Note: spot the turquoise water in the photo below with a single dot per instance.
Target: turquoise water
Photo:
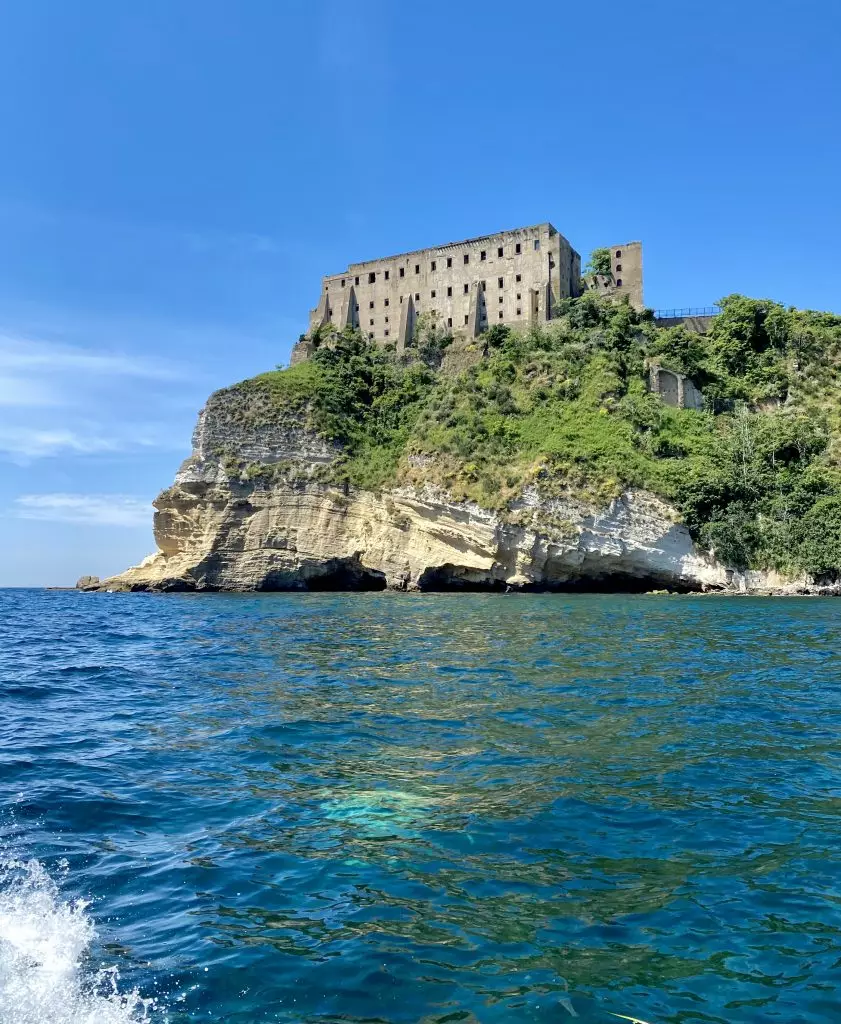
(387, 808)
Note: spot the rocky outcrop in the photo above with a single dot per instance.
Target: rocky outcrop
(253, 508)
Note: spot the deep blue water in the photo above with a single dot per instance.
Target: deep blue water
(388, 808)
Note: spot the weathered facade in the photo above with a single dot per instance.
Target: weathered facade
(514, 277)
(625, 277)
(674, 388)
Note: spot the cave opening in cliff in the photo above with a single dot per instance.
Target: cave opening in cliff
(449, 578)
(347, 574)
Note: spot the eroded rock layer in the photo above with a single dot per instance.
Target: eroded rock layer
(252, 508)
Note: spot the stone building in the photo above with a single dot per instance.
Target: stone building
(674, 388)
(625, 277)
(514, 277)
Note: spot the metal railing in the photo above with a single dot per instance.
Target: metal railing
(673, 314)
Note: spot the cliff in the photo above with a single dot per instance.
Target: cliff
(541, 462)
(221, 527)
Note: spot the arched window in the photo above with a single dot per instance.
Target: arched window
(619, 254)
(618, 282)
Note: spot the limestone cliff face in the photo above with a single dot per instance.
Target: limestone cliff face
(250, 510)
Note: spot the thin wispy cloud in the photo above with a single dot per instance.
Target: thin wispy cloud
(89, 509)
(24, 354)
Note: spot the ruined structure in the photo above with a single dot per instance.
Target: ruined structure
(674, 388)
(625, 277)
(515, 277)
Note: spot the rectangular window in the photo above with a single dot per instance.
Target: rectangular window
(356, 280)
(449, 290)
(432, 294)
(372, 277)
(385, 302)
(417, 296)
(518, 278)
(467, 257)
(483, 255)
(417, 268)
(371, 304)
(343, 282)
(484, 286)
(386, 319)
(519, 296)
(500, 252)
(466, 289)
(501, 298)
(370, 335)
(329, 312)
(386, 274)
(449, 321)
(499, 281)
(519, 311)
(466, 317)
(518, 248)
(433, 264)
(536, 244)
(449, 262)
(500, 317)
(370, 323)
(619, 268)
(402, 271)
(385, 333)
(401, 300)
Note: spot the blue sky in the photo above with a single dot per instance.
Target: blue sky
(178, 174)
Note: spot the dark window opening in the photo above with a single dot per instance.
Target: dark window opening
(519, 311)
(386, 319)
(356, 280)
(466, 317)
(466, 289)
(386, 273)
(432, 294)
(385, 302)
(449, 290)
(518, 278)
(343, 282)
(433, 264)
(402, 271)
(501, 298)
(519, 296)
(370, 335)
(500, 317)
(483, 255)
(499, 251)
(401, 300)
(372, 277)
(618, 282)
(619, 254)
(385, 333)
(536, 244)
(417, 268)
(484, 286)
(518, 248)
(449, 321)
(499, 281)
(449, 261)
(370, 323)
(371, 304)
(467, 257)
(329, 312)
(619, 267)
(417, 296)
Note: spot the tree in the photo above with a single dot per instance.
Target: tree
(599, 262)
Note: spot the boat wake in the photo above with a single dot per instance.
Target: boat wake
(45, 941)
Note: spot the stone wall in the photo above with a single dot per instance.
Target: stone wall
(514, 277)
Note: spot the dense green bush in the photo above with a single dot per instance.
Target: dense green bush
(565, 406)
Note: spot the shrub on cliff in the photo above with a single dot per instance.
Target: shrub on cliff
(565, 404)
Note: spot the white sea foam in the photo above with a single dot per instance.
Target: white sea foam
(44, 943)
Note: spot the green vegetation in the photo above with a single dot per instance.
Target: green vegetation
(565, 407)
(599, 262)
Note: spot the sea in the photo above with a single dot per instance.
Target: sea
(406, 809)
